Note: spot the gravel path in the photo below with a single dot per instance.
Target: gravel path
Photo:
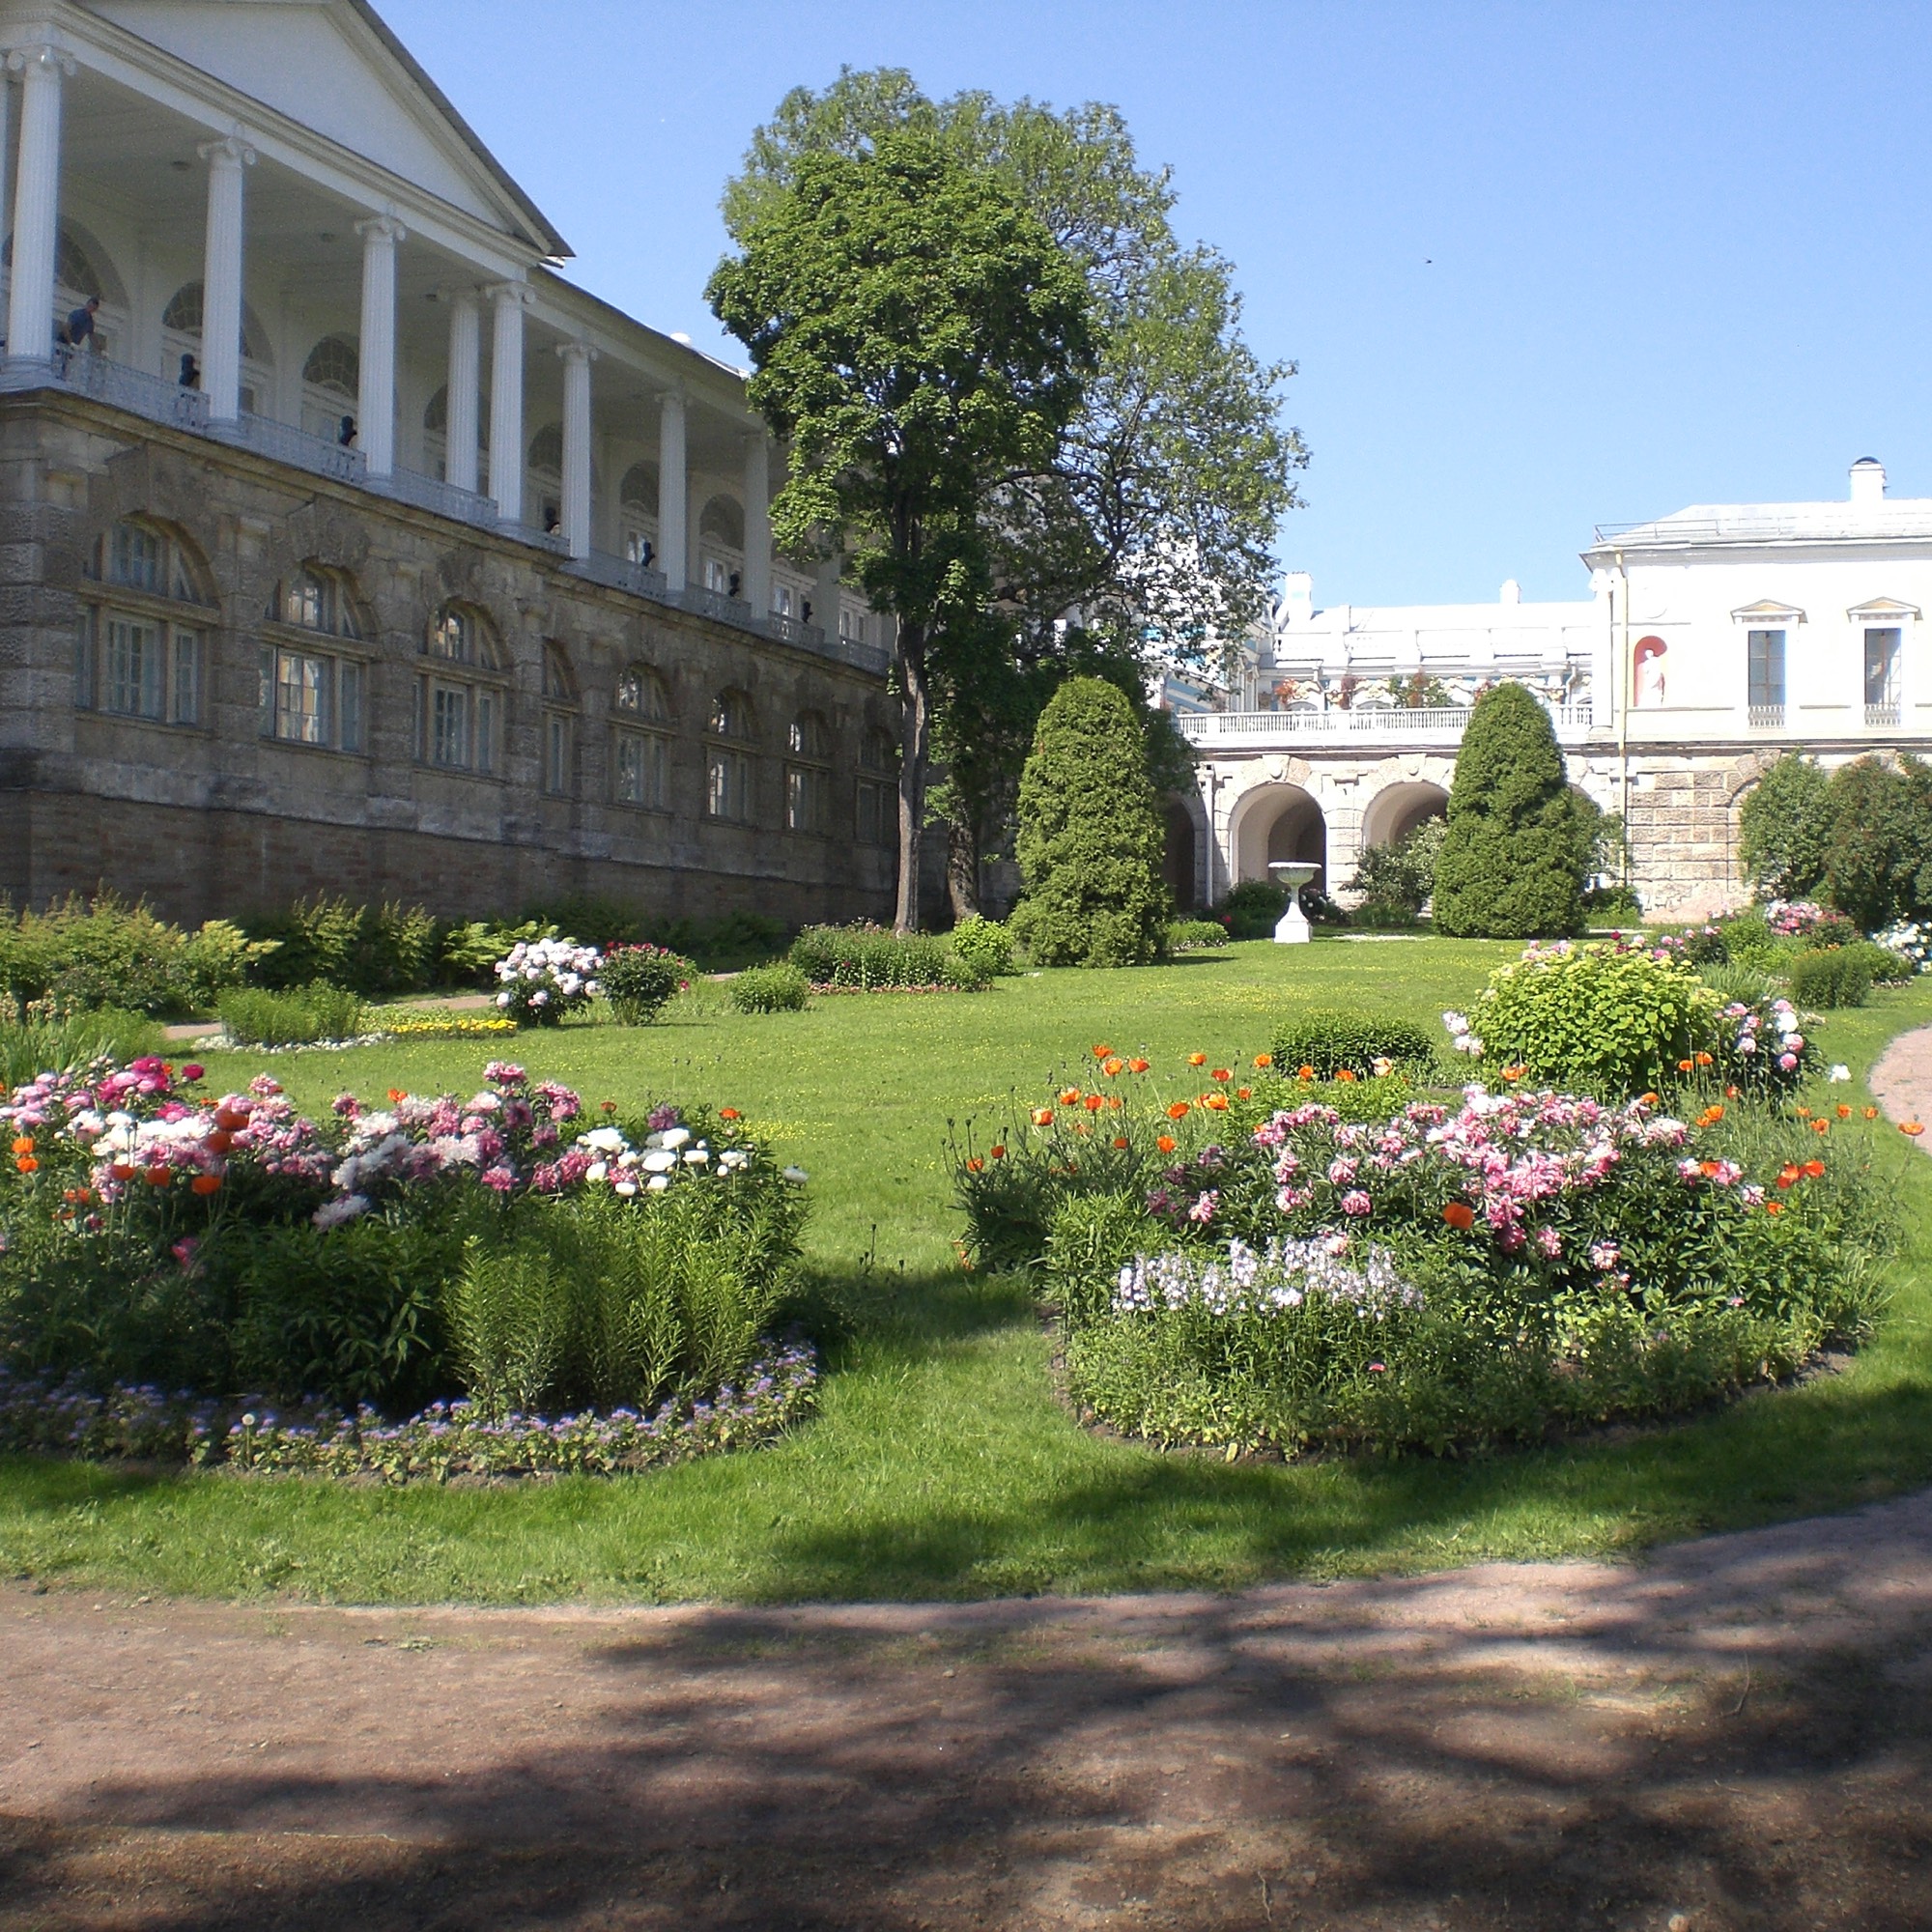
(1735, 1734)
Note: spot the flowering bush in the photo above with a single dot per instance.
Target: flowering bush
(1792, 918)
(1697, 944)
(640, 980)
(544, 980)
(1269, 1275)
(151, 1231)
(1911, 938)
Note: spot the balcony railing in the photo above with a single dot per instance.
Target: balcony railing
(1766, 717)
(1441, 723)
(1881, 717)
(82, 372)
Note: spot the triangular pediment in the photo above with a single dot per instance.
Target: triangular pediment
(336, 66)
(1767, 611)
(1884, 610)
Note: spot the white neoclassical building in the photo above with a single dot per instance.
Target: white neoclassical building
(1712, 640)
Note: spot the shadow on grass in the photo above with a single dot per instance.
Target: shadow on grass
(48, 1485)
(1365, 1758)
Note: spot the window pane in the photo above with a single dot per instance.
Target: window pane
(450, 718)
(484, 750)
(556, 754)
(349, 706)
(134, 557)
(83, 660)
(807, 798)
(1767, 669)
(301, 699)
(728, 793)
(1882, 666)
(133, 669)
(268, 687)
(187, 679)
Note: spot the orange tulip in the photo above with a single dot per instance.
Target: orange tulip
(1774, 1207)
(1166, 1144)
(1103, 1050)
(1244, 1093)
(1217, 1102)
(231, 1119)
(1111, 1068)
(1702, 1059)
(1197, 1060)
(26, 1163)
(1115, 1102)
(121, 1171)
(1220, 1074)
(161, 1176)
(399, 1092)
(1177, 1110)
(1304, 1073)
(1344, 1073)
(996, 1154)
(1646, 1099)
(1043, 1117)
(1263, 1059)
(24, 1143)
(1138, 1065)
(1515, 1072)
(1814, 1169)
(1789, 1175)
(1844, 1111)
(975, 1165)
(1119, 1140)
(1821, 1127)
(1069, 1096)
(1460, 1215)
(1095, 1102)
(1684, 1065)
(730, 1114)
(1730, 1092)
(1913, 1128)
(1871, 1113)
(207, 1183)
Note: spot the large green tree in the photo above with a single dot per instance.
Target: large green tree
(918, 338)
(1091, 840)
(1518, 845)
(1152, 525)
(1784, 829)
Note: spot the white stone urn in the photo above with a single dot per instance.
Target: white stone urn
(1292, 929)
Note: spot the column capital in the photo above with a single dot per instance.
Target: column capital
(387, 226)
(44, 56)
(577, 352)
(519, 293)
(232, 149)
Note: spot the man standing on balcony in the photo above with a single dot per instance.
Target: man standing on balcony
(78, 329)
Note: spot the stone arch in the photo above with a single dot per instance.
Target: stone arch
(1180, 854)
(1394, 811)
(1278, 819)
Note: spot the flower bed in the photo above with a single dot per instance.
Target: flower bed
(512, 1247)
(1238, 1271)
(446, 1441)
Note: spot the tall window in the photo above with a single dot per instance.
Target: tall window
(311, 688)
(638, 514)
(1765, 694)
(809, 775)
(1881, 654)
(331, 380)
(138, 653)
(721, 543)
(727, 792)
(640, 749)
(559, 735)
(851, 624)
(878, 790)
(460, 697)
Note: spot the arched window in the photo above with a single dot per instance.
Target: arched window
(83, 268)
(640, 756)
(312, 691)
(878, 793)
(809, 775)
(460, 699)
(547, 450)
(559, 735)
(727, 768)
(720, 546)
(637, 513)
(331, 380)
(182, 348)
(136, 653)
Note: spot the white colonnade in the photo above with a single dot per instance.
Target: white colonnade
(227, 161)
(30, 304)
(375, 401)
(578, 357)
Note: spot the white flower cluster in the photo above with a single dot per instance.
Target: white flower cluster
(1275, 1280)
(537, 972)
(652, 1168)
(1910, 939)
(1459, 1035)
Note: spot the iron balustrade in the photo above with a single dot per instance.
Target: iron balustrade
(1443, 723)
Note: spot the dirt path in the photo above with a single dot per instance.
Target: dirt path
(1738, 1733)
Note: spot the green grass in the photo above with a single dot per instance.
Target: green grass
(940, 1464)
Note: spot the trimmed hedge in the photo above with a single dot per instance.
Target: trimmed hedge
(1332, 1042)
(780, 988)
(253, 1017)
(1836, 978)
(873, 958)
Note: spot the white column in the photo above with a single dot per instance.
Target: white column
(758, 525)
(375, 421)
(30, 306)
(578, 357)
(466, 359)
(6, 144)
(506, 400)
(673, 485)
(222, 277)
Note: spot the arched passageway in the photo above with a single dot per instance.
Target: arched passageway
(1397, 809)
(1178, 861)
(1279, 821)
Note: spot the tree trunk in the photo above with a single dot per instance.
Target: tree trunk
(962, 865)
(915, 745)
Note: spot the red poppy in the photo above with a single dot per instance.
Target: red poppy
(1460, 1215)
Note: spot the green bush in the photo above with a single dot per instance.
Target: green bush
(1518, 841)
(1886, 967)
(873, 958)
(1195, 935)
(1378, 915)
(1332, 1042)
(469, 952)
(51, 1039)
(254, 1016)
(1091, 844)
(984, 945)
(1784, 829)
(371, 949)
(1617, 904)
(1878, 868)
(1595, 1018)
(780, 988)
(1395, 880)
(641, 979)
(1833, 979)
(102, 952)
(1253, 908)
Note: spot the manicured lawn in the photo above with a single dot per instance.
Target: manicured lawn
(940, 1464)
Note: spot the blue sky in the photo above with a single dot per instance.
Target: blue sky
(1542, 265)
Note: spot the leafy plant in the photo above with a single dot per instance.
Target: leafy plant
(1195, 935)
(780, 988)
(1518, 840)
(1838, 978)
(373, 949)
(253, 1017)
(1396, 880)
(641, 979)
(1331, 1041)
(1091, 840)
(1784, 829)
(873, 958)
(984, 945)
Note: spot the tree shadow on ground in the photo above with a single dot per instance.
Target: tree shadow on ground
(1740, 1734)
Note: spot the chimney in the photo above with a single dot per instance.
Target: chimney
(1511, 592)
(1869, 480)
(1299, 596)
